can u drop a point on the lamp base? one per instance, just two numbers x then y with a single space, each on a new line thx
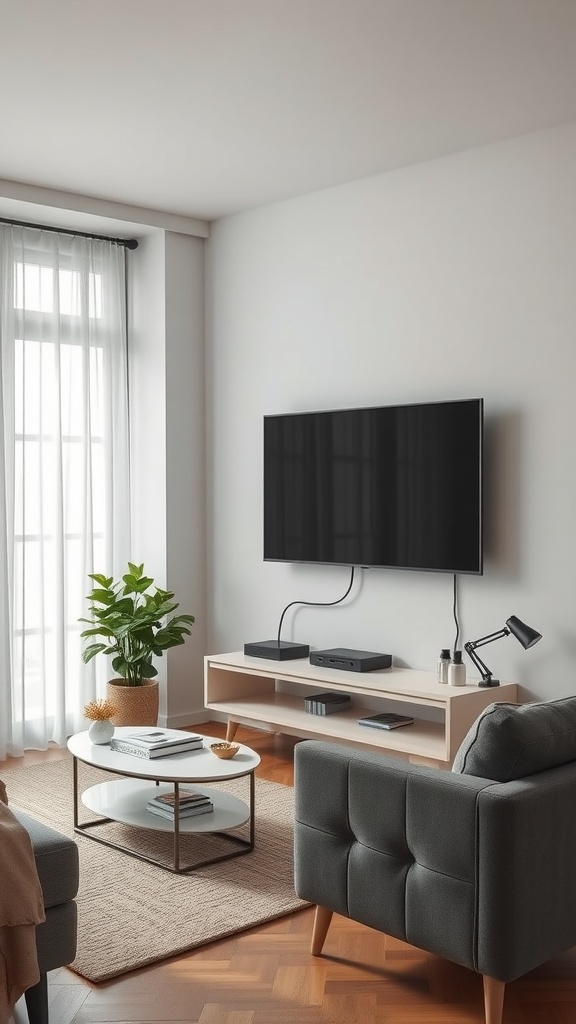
489 682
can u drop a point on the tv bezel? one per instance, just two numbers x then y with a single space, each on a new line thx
377 565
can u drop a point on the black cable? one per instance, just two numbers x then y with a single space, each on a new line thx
316 604
455 612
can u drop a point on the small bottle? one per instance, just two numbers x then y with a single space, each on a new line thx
443 662
457 670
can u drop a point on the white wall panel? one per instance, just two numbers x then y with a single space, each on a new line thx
450 279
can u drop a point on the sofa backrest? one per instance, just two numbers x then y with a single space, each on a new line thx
511 741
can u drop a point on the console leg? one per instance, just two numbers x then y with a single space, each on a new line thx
231 730
37 1001
322 919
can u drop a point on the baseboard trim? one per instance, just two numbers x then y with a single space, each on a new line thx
192 718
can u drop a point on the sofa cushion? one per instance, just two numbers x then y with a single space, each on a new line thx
510 741
56 860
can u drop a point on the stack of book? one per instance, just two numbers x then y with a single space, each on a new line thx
189 803
327 703
157 743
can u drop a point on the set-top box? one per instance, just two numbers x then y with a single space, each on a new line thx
350 661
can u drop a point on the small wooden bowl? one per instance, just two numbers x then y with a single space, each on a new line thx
224 749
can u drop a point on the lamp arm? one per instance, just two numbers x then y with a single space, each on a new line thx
483 669
471 646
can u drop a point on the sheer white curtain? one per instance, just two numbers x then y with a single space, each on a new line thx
64 470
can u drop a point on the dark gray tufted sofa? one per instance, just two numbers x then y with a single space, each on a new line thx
57 863
480 872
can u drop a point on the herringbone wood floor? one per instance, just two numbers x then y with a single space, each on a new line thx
267 975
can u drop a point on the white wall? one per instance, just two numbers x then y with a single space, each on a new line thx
450 279
185 471
147 389
167 444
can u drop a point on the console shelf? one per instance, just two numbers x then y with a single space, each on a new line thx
271 694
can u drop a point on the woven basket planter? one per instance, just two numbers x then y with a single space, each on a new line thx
135 705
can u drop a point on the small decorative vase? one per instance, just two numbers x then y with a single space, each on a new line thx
101 731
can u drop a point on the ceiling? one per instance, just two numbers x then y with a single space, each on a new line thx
207 107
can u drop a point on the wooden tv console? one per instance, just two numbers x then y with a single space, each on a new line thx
252 691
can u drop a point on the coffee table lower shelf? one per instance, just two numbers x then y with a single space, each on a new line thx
124 800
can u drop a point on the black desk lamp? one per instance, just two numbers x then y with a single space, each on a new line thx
525 634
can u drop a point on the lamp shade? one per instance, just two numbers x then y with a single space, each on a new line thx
523 633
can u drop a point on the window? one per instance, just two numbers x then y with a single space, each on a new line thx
63 361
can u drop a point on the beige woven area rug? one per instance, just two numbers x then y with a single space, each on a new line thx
131 913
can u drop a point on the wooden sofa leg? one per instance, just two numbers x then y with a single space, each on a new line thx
37 1001
322 919
493 999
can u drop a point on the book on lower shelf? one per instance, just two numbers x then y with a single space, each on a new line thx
127 746
184 811
386 720
186 797
327 703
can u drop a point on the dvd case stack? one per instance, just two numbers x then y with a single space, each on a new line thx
327 703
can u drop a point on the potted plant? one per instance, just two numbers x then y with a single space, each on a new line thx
134 618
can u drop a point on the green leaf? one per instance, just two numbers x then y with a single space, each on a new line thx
165 608
163 641
142 584
147 671
96 631
124 607
101 596
136 570
143 634
180 620
104 581
91 651
176 630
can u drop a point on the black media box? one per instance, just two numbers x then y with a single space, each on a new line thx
283 651
350 661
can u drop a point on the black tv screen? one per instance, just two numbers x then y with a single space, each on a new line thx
397 487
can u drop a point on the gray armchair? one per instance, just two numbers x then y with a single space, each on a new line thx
57 863
477 871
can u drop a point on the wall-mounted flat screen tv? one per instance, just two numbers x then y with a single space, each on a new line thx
396 487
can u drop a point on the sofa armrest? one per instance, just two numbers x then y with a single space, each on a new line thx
479 872
527 872
390 844
56 860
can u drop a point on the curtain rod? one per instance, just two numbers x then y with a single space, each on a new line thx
128 243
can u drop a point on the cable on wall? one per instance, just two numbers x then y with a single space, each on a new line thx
455 612
317 604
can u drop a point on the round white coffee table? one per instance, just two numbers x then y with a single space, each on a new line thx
125 799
